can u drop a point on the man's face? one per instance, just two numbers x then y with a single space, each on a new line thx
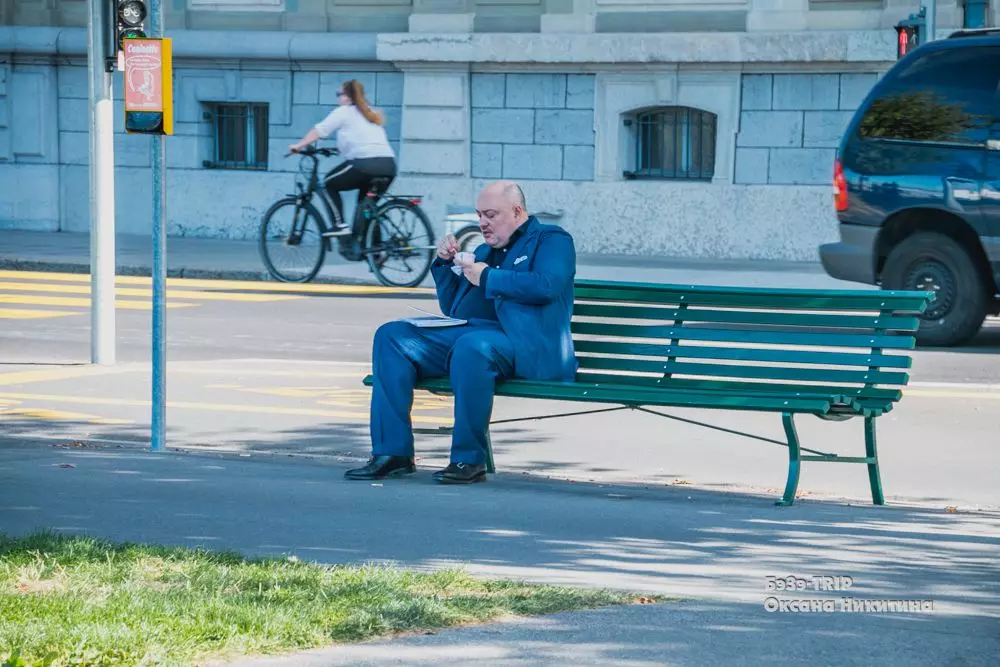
498 218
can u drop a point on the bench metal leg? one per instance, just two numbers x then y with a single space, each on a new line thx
490 468
871 453
794 460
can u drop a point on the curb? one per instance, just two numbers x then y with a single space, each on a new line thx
146 271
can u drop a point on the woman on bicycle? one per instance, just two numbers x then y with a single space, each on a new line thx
363 144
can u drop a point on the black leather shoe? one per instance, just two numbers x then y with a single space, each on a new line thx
380 467
461 473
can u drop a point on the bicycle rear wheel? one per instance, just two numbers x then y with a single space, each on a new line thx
291 241
399 244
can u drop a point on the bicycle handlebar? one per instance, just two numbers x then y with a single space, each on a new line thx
313 150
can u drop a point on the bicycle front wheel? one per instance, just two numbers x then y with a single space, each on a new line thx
291 242
399 244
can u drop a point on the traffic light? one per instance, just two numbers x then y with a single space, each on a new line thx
126 20
911 32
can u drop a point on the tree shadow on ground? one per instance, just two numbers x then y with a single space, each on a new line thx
720 548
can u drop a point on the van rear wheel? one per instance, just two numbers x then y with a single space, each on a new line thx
933 262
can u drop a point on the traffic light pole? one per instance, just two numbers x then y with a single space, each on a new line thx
159 398
102 191
931 19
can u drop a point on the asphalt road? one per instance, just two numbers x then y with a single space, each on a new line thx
271 369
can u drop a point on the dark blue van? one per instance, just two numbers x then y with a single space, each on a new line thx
917 185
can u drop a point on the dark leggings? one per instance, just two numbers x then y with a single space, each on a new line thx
357 175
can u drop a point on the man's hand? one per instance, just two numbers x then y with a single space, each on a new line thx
448 247
473 270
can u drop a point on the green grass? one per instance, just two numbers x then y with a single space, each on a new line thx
74 601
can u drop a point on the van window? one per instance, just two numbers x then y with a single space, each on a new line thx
945 96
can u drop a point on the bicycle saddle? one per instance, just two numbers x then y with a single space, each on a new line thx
379 185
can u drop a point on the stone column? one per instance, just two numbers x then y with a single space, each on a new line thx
569 16
434 140
442 16
777 15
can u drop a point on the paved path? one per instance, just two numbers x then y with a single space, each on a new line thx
714 550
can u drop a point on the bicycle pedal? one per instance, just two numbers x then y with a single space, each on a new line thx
338 232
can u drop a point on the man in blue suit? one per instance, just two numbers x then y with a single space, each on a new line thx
517 295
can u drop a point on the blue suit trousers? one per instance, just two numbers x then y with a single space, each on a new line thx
474 356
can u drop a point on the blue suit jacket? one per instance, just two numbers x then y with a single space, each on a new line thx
532 293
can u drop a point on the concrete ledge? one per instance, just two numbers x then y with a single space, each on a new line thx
815 46
256 45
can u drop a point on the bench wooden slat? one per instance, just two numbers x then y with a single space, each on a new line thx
820 320
628 392
743 371
775 355
770 388
742 336
628 395
771 298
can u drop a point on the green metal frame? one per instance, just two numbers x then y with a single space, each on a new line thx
795 449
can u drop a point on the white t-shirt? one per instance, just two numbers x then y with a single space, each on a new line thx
357 137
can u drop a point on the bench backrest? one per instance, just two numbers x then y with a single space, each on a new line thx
648 334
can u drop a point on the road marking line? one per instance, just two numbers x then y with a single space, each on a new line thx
989 395
80 302
7 286
47 374
212 407
252 285
955 385
61 415
28 314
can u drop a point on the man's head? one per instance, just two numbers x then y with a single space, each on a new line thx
501 209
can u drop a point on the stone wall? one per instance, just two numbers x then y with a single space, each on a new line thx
44 145
791 125
533 126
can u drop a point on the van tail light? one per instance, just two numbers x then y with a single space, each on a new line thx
839 186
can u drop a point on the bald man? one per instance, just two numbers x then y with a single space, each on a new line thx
517 295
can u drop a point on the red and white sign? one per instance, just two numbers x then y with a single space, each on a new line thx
143 75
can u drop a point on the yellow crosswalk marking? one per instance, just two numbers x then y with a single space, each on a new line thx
60 415
198 283
8 286
26 314
80 302
58 373
215 407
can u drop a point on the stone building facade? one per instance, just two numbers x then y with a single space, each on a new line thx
658 128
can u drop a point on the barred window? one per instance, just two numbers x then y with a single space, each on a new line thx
240 136
674 143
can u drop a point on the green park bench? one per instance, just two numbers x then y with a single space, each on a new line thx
834 354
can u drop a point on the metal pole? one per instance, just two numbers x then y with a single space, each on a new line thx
159 348
931 19
102 192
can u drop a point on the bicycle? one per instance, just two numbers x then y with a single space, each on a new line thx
374 237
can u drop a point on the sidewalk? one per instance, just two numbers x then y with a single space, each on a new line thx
714 550
238 260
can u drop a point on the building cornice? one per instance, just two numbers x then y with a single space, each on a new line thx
840 46
204 44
